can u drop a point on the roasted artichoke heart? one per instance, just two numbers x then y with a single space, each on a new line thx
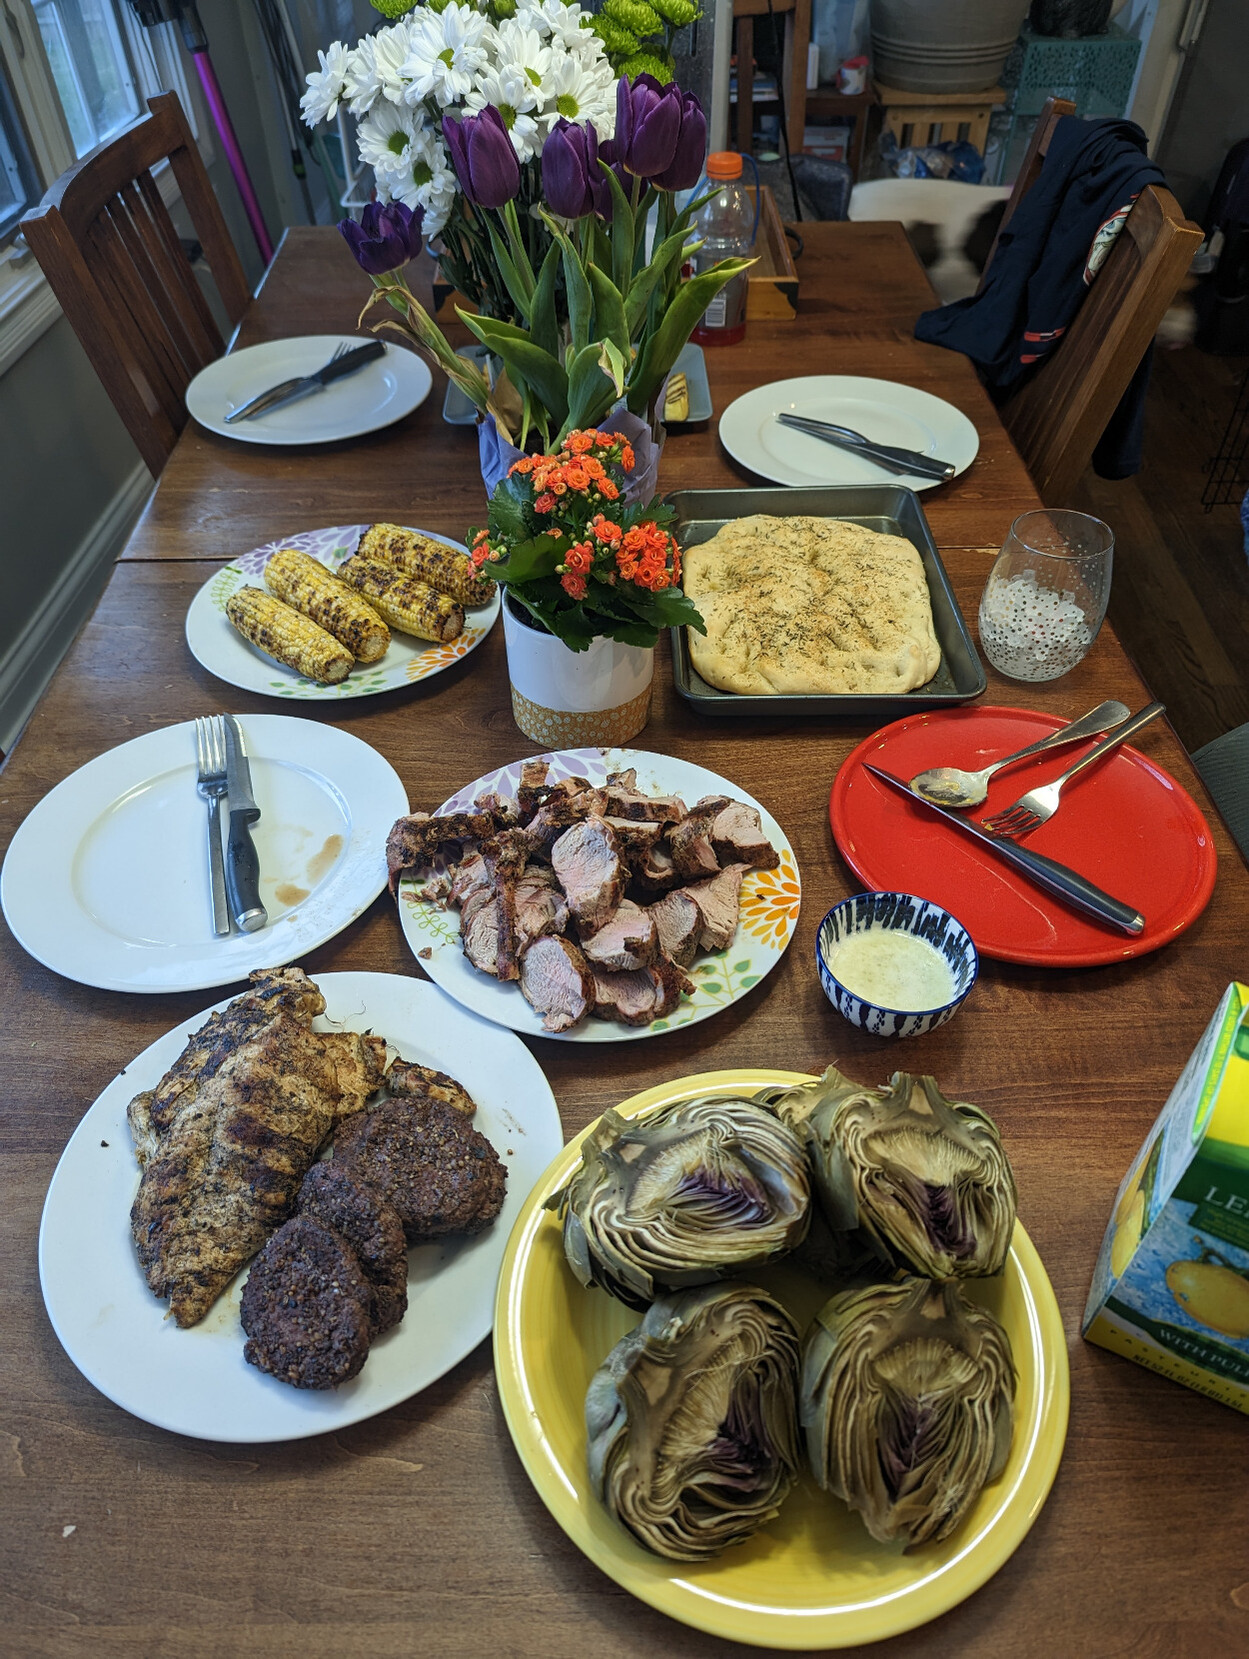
691 1193
925 1178
692 1421
906 1401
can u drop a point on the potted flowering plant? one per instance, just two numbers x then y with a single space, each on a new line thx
590 580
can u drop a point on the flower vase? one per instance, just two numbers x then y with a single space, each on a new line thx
567 699
496 454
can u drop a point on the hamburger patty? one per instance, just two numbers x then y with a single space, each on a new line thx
430 1163
305 1307
333 1196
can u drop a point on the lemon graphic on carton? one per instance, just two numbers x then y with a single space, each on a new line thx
1131 1216
1211 1291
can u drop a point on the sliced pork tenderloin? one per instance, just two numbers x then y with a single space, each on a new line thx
738 838
678 923
532 788
671 984
655 871
556 980
502 808
470 874
690 840
506 857
415 839
628 997
719 902
540 906
587 864
628 941
624 800
479 930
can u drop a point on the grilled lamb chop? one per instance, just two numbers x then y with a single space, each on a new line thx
556 980
586 861
678 922
738 838
223 1163
719 902
415 840
690 840
628 941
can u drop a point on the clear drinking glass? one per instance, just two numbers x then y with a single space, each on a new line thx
1046 594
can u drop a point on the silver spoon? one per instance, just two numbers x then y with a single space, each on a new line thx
950 786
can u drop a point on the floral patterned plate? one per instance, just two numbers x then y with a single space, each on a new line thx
216 643
769 911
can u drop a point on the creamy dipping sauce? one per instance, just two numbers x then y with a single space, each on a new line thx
893 970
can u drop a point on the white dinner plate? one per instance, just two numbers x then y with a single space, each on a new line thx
381 392
769 907
106 880
196 1381
883 410
217 643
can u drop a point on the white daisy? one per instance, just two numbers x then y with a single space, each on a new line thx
516 99
580 89
520 51
446 54
422 177
326 85
386 136
567 25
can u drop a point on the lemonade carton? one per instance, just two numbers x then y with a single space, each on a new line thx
1171 1287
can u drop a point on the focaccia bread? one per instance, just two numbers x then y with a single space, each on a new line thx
810 605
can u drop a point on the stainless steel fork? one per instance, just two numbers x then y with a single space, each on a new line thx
1035 808
210 749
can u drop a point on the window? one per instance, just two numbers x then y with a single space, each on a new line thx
91 68
19 186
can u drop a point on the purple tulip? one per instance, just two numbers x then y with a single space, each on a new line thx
571 174
608 152
686 166
481 153
386 238
648 124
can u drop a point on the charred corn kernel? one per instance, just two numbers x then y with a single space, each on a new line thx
305 583
411 606
429 561
677 399
285 634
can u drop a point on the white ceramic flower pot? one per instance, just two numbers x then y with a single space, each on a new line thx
569 699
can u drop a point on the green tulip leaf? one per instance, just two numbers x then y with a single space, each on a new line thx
609 314
668 341
537 368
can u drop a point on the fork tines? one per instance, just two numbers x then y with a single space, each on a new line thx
1015 821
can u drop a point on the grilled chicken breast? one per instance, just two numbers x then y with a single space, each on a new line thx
230 1131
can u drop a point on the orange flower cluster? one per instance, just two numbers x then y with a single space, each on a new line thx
642 557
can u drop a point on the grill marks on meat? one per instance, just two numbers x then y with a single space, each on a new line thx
236 1136
628 941
407 1078
738 838
414 841
587 865
556 980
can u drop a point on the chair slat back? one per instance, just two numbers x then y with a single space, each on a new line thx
108 247
1038 147
1058 415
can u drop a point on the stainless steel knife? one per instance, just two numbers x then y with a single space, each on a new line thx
277 397
1064 883
242 864
888 456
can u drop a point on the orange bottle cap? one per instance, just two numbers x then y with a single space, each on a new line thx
724 164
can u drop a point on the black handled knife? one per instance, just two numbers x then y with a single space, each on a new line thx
242 864
1064 883
277 397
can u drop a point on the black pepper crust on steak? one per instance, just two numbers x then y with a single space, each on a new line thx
371 1227
305 1307
426 1158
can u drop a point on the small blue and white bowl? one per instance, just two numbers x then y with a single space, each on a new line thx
896 912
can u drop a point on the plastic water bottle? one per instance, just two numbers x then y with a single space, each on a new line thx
726 227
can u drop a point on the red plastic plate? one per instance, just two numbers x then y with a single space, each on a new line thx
1125 824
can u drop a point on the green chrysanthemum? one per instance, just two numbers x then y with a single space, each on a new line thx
501 10
617 41
648 63
635 15
679 13
394 9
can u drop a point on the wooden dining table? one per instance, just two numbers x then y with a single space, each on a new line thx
417 1532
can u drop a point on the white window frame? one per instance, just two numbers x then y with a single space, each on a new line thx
28 307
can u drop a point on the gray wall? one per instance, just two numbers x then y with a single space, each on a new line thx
1210 111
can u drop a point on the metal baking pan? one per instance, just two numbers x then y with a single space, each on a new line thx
885 507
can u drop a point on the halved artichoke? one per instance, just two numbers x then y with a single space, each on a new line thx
906 1401
696 1191
923 1177
692 1421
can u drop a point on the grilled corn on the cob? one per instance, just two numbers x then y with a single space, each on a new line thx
304 582
411 606
285 634
431 562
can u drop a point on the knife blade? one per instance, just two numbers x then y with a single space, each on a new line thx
242 864
1058 879
888 456
288 391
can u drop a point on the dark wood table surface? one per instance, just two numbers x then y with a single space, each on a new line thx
418 1532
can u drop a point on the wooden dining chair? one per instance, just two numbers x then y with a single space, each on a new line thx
107 245
1057 416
